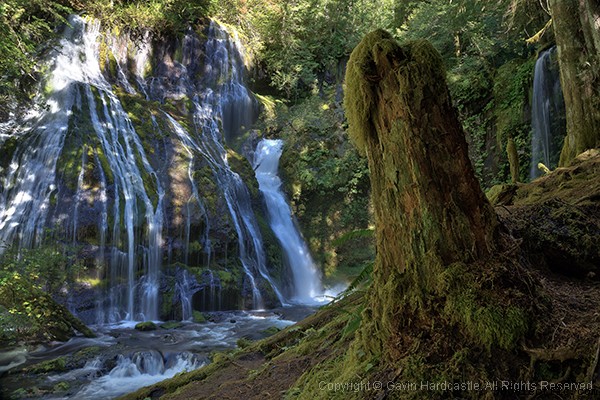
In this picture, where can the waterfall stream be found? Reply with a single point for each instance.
(547, 113)
(306, 280)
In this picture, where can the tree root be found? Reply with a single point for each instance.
(561, 354)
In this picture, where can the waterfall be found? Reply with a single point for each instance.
(224, 92)
(547, 113)
(129, 165)
(76, 79)
(306, 280)
(185, 287)
(120, 186)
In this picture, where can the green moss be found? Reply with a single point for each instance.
(171, 325)
(166, 301)
(146, 326)
(45, 318)
(103, 55)
(359, 96)
(61, 387)
(273, 250)
(243, 343)
(501, 194)
(69, 161)
(226, 277)
(511, 92)
(242, 167)
(207, 185)
(487, 322)
(112, 65)
(20, 393)
(56, 365)
(271, 330)
(88, 352)
(198, 317)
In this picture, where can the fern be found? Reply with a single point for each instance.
(363, 277)
(355, 234)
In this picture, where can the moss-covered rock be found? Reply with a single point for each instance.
(146, 326)
(271, 331)
(45, 319)
(85, 354)
(501, 194)
(556, 216)
(240, 165)
(55, 365)
(61, 387)
(242, 343)
(198, 317)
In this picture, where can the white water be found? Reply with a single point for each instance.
(546, 105)
(307, 284)
(141, 369)
(126, 359)
(123, 150)
(183, 292)
(12, 358)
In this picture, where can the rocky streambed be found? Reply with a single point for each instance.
(122, 358)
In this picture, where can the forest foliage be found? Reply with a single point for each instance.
(299, 49)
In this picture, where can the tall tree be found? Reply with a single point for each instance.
(575, 25)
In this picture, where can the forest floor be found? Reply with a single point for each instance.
(555, 220)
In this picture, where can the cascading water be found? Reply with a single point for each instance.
(213, 107)
(139, 369)
(24, 207)
(306, 282)
(547, 113)
(120, 203)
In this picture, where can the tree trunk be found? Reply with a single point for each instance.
(576, 28)
(430, 212)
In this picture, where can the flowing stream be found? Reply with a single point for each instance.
(122, 359)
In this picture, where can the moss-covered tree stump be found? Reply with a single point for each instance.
(436, 232)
